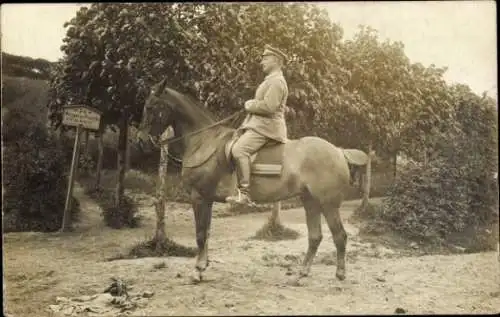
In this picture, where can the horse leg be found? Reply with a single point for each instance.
(313, 219)
(203, 217)
(332, 216)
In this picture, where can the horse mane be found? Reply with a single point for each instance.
(190, 108)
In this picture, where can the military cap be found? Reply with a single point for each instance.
(269, 50)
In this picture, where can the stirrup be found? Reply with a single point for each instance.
(239, 200)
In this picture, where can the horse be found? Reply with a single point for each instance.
(310, 168)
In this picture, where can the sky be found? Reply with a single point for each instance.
(460, 35)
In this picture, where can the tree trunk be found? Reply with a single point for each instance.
(395, 165)
(61, 133)
(122, 149)
(84, 150)
(359, 178)
(274, 219)
(367, 179)
(100, 153)
(161, 184)
(127, 157)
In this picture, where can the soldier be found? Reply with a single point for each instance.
(264, 122)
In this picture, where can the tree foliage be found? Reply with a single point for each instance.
(429, 113)
(210, 51)
(379, 73)
(94, 71)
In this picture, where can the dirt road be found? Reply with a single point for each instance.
(246, 276)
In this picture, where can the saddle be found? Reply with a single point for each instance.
(268, 160)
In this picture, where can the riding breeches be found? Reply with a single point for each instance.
(248, 143)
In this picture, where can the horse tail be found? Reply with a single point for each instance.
(355, 157)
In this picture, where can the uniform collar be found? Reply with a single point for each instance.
(275, 73)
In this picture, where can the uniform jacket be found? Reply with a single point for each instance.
(266, 112)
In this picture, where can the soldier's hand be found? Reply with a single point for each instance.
(248, 103)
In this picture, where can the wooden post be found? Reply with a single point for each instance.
(74, 166)
(274, 219)
(161, 188)
(161, 185)
(367, 179)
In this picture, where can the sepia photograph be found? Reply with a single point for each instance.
(250, 158)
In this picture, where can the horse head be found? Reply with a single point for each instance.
(157, 115)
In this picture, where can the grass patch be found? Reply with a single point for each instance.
(151, 248)
(159, 266)
(371, 211)
(275, 232)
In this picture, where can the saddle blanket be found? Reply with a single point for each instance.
(266, 161)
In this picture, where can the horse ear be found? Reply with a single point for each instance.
(161, 86)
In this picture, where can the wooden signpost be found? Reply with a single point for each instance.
(81, 117)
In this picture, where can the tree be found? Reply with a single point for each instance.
(379, 77)
(477, 118)
(429, 113)
(96, 74)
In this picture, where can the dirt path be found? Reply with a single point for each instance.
(246, 276)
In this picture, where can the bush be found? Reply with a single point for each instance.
(34, 175)
(116, 217)
(123, 215)
(427, 203)
(86, 164)
(434, 202)
(457, 191)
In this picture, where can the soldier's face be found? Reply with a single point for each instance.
(268, 63)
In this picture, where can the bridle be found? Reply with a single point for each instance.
(172, 140)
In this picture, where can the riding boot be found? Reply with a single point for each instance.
(243, 173)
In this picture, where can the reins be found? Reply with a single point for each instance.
(172, 140)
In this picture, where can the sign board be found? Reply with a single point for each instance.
(83, 116)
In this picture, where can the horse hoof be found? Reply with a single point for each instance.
(340, 275)
(201, 268)
(196, 278)
(297, 281)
